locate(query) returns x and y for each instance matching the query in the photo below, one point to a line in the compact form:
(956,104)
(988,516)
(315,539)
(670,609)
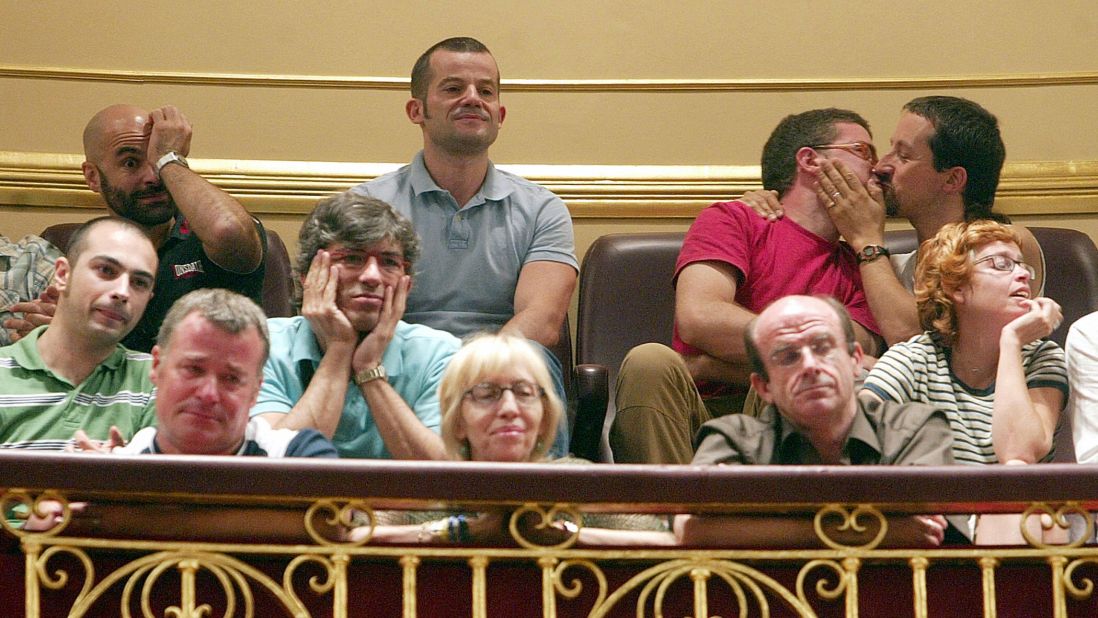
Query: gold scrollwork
(1078,592)
(822,589)
(59,578)
(23,505)
(232,575)
(745,583)
(560,520)
(575,586)
(315,584)
(1050,518)
(850,522)
(337,520)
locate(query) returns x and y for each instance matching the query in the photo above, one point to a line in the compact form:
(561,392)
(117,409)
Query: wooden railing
(231,559)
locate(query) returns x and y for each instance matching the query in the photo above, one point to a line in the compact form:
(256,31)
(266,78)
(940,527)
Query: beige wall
(729,71)
(799,42)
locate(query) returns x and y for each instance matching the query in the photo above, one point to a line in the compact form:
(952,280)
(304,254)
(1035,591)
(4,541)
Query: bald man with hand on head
(204,238)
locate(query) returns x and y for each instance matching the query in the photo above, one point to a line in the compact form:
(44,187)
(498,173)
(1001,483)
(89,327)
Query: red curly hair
(945,265)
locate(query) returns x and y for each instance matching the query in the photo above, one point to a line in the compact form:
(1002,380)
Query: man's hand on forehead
(168,131)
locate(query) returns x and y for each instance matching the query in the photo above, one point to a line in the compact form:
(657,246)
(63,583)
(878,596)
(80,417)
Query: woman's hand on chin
(1043,317)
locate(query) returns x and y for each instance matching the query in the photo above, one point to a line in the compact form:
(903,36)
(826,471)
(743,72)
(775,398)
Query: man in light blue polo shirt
(348,366)
(498,250)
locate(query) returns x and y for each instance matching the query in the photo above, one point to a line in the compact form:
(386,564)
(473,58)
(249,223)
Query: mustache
(472,110)
(160,188)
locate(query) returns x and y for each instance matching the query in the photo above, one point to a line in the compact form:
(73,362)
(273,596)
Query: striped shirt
(41,410)
(918,370)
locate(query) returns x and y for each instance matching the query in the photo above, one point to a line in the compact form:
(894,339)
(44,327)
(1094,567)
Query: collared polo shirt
(41,410)
(472,253)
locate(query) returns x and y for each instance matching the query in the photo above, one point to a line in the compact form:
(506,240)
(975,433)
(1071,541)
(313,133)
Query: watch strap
(870,253)
(171,157)
(371,374)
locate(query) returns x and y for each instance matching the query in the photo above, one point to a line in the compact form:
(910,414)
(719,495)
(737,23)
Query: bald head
(110,121)
(806,361)
(794,313)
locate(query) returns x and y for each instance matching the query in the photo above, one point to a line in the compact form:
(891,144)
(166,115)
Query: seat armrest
(592,397)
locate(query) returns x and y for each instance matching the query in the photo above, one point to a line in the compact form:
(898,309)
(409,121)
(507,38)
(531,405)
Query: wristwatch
(371,374)
(872,252)
(171,157)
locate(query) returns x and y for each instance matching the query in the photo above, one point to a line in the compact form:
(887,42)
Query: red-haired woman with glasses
(984,358)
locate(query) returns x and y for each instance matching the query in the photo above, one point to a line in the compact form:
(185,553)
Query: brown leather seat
(626,299)
(278,283)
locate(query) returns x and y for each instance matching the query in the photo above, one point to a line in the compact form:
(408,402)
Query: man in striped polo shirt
(74,373)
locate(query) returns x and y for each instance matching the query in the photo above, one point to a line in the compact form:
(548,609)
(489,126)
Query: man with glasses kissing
(349,367)
(732,264)
(804,361)
(943,167)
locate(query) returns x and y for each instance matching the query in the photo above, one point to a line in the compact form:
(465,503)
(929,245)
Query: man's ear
(155,363)
(61,272)
(807,161)
(502,114)
(91,176)
(857,353)
(762,387)
(414,109)
(956,180)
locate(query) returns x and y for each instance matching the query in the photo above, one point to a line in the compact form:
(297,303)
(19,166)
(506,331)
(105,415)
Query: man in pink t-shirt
(732,265)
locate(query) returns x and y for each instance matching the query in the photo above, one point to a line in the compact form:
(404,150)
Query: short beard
(126,205)
(892,205)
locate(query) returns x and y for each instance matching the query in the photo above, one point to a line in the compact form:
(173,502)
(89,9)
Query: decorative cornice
(54,180)
(354,82)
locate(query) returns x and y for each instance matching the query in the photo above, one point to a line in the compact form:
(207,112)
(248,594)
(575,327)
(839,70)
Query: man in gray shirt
(498,250)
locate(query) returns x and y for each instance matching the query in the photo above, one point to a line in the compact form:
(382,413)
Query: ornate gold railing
(313,570)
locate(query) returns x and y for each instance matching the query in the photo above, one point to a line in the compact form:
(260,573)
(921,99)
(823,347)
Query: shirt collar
(494,188)
(861,447)
(25,353)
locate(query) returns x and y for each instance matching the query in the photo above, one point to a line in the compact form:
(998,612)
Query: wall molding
(54,180)
(355,82)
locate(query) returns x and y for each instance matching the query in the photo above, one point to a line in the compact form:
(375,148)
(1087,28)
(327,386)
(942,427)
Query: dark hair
(357,221)
(755,357)
(817,126)
(421,72)
(230,312)
(966,135)
(79,239)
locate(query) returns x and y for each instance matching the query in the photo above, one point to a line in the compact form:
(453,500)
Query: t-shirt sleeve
(1046,367)
(892,377)
(721,233)
(311,443)
(553,240)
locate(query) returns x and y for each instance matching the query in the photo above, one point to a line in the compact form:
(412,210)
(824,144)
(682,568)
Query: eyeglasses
(862,150)
(389,262)
(489,393)
(787,356)
(1006,264)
